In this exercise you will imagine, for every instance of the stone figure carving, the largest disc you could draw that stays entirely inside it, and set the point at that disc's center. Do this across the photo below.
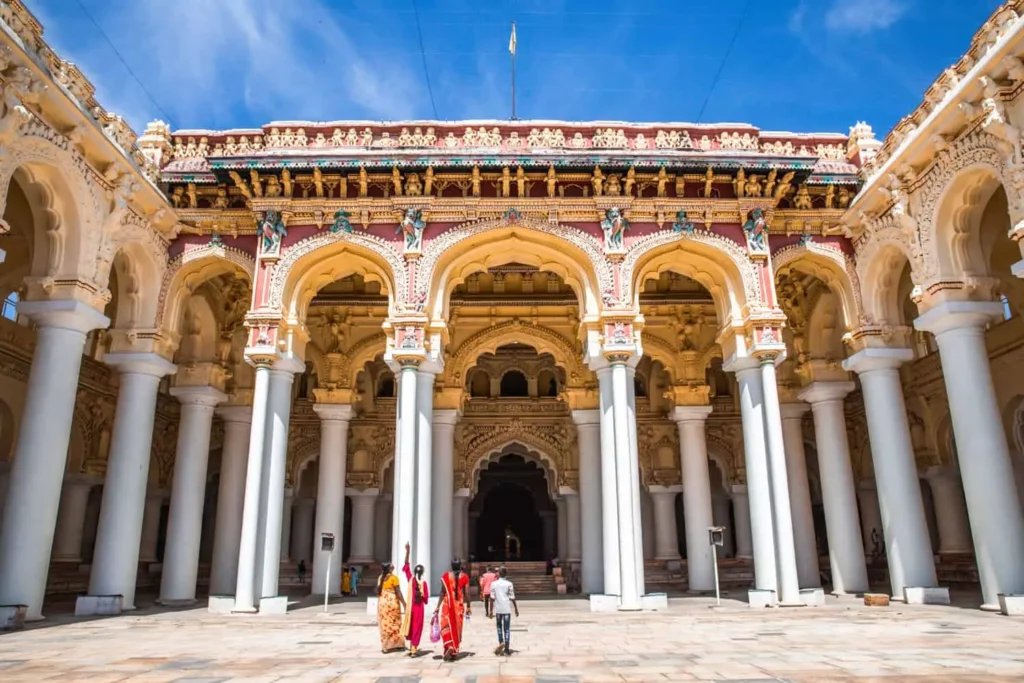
(629, 182)
(273, 188)
(662, 182)
(341, 222)
(552, 180)
(396, 180)
(597, 180)
(19, 87)
(520, 182)
(844, 197)
(682, 224)
(412, 227)
(612, 187)
(802, 198)
(363, 181)
(475, 180)
(506, 182)
(615, 226)
(221, 201)
(708, 179)
(756, 229)
(830, 197)
(271, 231)
(753, 187)
(739, 185)
(769, 183)
(413, 186)
(784, 184)
(428, 179)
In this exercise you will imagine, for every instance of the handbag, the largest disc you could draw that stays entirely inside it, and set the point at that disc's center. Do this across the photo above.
(435, 629)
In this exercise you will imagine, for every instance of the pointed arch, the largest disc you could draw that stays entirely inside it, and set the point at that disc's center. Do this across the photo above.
(191, 269)
(831, 266)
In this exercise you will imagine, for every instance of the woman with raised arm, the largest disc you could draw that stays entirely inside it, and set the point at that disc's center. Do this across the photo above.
(416, 598)
(452, 607)
(390, 604)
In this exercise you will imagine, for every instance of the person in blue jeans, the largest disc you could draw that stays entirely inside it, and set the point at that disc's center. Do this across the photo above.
(503, 602)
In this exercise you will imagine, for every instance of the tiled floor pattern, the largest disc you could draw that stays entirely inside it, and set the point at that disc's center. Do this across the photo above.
(556, 641)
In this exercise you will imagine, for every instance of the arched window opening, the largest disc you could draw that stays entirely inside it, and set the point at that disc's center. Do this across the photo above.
(514, 385)
(479, 384)
(640, 386)
(11, 307)
(386, 386)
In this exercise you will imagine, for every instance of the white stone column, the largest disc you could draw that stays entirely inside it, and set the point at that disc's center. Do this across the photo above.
(330, 495)
(666, 539)
(188, 494)
(563, 529)
(693, 455)
(997, 524)
(74, 497)
(628, 495)
(804, 540)
(40, 456)
(588, 432)
(609, 489)
(759, 495)
(115, 561)
(870, 517)
(246, 588)
(151, 526)
(573, 526)
(230, 498)
(785, 549)
(302, 529)
(634, 470)
(286, 527)
(421, 540)
(442, 538)
(279, 410)
(364, 507)
(838, 492)
(950, 510)
(741, 518)
(908, 546)
(405, 463)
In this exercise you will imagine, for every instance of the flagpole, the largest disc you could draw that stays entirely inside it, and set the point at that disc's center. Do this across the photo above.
(513, 51)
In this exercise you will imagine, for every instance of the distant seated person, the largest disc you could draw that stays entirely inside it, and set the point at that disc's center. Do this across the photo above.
(346, 582)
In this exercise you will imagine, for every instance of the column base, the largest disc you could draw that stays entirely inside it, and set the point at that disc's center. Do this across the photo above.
(12, 617)
(100, 605)
(654, 602)
(812, 597)
(221, 604)
(761, 598)
(918, 595)
(600, 602)
(273, 606)
(1010, 605)
(176, 602)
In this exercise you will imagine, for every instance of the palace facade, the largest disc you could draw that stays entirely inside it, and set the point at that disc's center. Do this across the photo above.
(510, 341)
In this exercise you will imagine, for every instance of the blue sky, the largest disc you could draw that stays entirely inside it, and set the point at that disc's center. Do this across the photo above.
(800, 65)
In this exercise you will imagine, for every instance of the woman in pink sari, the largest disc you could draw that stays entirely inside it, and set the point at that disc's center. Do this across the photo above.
(416, 598)
(452, 607)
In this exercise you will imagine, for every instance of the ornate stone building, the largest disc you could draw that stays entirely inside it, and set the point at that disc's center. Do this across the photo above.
(598, 338)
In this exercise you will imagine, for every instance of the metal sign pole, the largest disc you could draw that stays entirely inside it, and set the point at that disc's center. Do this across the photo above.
(327, 582)
(714, 556)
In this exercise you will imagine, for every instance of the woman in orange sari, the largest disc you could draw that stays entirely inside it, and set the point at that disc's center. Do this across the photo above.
(390, 604)
(453, 605)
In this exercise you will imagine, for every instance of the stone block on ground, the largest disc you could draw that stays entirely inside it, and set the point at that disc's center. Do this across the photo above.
(276, 605)
(876, 599)
(919, 595)
(761, 598)
(220, 604)
(604, 603)
(814, 597)
(12, 617)
(98, 605)
(654, 602)
(1011, 605)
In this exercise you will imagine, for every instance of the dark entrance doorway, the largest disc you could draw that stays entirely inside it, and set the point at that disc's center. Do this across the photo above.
(513, 495)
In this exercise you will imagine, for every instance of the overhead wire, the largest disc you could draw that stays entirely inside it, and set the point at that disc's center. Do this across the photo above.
(124, 63)
(423, 55)
(725, 59)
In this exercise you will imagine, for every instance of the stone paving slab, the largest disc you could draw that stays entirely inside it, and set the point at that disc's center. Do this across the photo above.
(557, 641)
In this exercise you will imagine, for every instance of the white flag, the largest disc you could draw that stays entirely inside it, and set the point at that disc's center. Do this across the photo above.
(512, 40)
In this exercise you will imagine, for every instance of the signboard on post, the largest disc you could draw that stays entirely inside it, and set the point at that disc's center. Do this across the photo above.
(327, 546)
(716, 539)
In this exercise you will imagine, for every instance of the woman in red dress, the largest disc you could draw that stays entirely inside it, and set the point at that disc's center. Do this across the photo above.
(453, 606)
(416, 598)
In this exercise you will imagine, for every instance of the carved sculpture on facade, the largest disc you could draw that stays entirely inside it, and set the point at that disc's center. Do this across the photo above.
(614, 226)
(271, 231)
(341, 221)
(683, 224)
(412, 227)
(756, 230)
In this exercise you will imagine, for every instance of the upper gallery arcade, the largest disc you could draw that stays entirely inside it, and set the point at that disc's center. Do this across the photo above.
(589, 340)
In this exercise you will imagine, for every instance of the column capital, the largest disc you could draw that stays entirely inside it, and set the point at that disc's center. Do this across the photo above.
(690, 413)
(658, 490)
(65, 314)
(822, 391)
(567, 492)
(586, 417)
(364, 494)
(738, 489)
(448, 416)
(463, 493)
(289, 364)
(874, 358)
(199, 396)
(341, 412)
(140, 363)
(235, 413)
(959, 315)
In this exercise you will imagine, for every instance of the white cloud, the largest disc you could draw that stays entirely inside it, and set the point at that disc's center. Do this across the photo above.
(863, 16)
(241, 60)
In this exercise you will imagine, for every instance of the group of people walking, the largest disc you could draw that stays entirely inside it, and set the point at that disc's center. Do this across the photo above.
(400, 618)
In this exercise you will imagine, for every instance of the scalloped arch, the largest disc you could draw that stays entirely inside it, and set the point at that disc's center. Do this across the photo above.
(363, 351)
(190, 269)
(543, 339)
(832, 267)
(491, 450)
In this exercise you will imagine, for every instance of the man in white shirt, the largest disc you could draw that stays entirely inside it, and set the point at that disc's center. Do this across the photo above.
(503, 601)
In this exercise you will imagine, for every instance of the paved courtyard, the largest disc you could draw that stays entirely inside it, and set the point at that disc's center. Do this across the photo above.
(554, 641)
